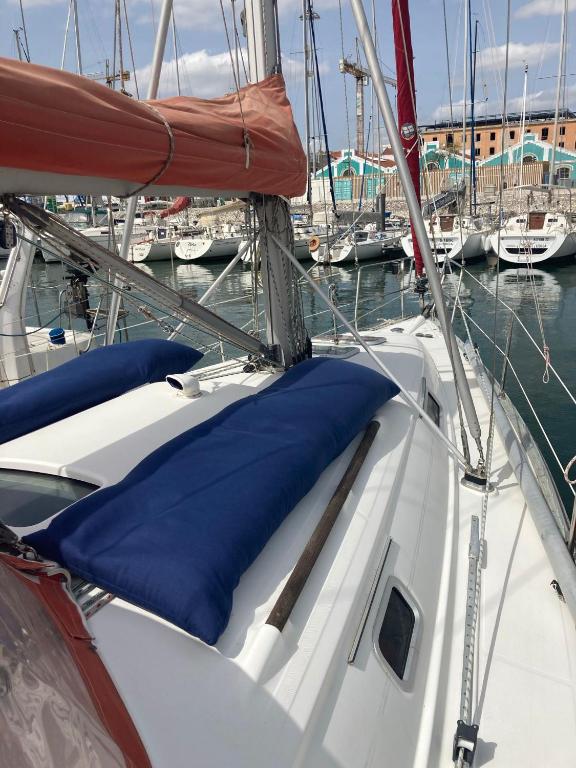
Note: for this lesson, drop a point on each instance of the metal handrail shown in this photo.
(523, 390)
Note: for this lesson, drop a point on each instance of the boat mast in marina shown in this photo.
(285, 328)
(559, 91)
(156, 69)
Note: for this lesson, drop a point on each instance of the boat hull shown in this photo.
(353, 252)
(202, 249)
(533, 249)
(473, 247)
(155, 250)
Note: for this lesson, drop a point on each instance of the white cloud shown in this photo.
(518, 55)
(201, 74)
(543, 8)
(534, 101)
(207, 75)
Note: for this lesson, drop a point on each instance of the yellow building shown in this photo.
(488, 130)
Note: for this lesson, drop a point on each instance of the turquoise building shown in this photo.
(537, 151)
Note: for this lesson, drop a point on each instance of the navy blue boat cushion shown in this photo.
(88, 380)
(178, 532)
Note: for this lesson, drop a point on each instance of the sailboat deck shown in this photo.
(321, 694)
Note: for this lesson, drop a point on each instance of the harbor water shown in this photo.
(544, 302)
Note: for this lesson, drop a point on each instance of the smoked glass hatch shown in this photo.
(395, 636)
(28, 498)
(433, 409)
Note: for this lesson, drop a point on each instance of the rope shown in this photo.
(36, 330)
(236, 75)
(168, 159)
(567, 471)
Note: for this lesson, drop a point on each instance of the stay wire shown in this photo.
(322, 112)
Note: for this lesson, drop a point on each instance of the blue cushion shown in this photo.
(178, 532)
(88, 380)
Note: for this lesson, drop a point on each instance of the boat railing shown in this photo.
(566, 523)
(400, 263)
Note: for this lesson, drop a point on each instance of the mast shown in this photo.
(472, 115)
(156, 68)
(417, 221)
(523, 126)
(285, 330)
(406, 96)
(77, 34)
(27, 47)
(561, 67)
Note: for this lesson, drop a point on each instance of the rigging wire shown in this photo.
(131, 51)
(321, 105)
(448, 64)
(175, 43)
(343, 55)
(236, 75)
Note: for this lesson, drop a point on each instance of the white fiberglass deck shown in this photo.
(262, 699)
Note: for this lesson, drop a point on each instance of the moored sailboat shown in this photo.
(454, 238)
(535, 237)
(316, 536)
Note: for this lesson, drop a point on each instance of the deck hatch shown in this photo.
(395, 637)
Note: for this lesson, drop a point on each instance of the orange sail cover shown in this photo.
(63, 134)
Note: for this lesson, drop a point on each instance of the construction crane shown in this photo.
(110, 78)
(362, 77)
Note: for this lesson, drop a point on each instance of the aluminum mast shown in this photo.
(561, 77)
(159, 49)
(285, 328)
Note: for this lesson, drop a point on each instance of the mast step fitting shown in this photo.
(465, 739)
(476, 480)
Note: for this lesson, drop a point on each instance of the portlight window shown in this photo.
(395, 638)
(433, 409)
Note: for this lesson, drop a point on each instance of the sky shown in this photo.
(204, 57)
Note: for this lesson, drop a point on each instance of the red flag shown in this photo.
(406, 95)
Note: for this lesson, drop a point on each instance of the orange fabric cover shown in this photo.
(56, 122)
(68, 622)
(179, 205)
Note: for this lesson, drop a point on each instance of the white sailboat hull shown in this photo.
(453, 246)
(351, 252)
(207, 249)
(155, 250)
(533, 247)
(302, 250)
(320, 692)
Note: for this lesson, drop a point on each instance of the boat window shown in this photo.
(433, 409)
(28, 498)
(395, 637)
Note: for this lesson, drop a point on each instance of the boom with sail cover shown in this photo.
(60, 132)
(407, 103)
